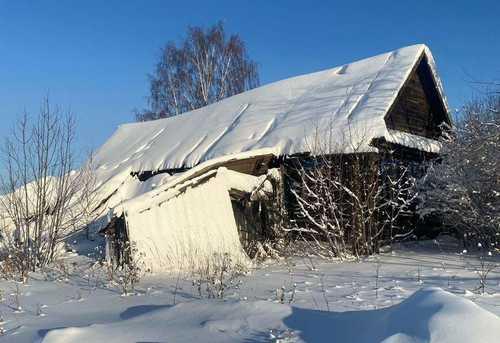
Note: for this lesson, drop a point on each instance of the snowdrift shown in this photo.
(429, 315)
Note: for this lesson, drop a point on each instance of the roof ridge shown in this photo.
(274, 83)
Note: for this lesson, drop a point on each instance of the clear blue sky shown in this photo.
(95, 55)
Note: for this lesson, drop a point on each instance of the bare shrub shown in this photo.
(92, 275)
(280, 294)
(483, 271)
(43, 196)
(487, 264)
(63, 269)
(128, 275)
(377, 280)
(13, 264)
(16, 299)
(217, 274)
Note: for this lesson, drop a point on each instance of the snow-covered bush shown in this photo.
(349, 204)
(463, 186)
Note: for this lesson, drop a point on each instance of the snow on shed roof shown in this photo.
(283, 115)
(171, 185)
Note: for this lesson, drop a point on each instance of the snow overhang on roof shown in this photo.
(350, 101)
(173, 184)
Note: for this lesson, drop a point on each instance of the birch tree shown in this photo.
(205, 68)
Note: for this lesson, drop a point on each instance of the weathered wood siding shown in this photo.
(253, 166)
(257, 165)
(418, 108)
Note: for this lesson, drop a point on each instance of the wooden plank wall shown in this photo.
(418, 109)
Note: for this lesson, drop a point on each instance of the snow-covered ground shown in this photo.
(424, 292)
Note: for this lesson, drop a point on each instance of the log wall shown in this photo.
(418, 108)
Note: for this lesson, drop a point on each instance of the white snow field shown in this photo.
(425, 292)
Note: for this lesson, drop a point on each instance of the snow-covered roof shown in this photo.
(351, 100)
(168, 187)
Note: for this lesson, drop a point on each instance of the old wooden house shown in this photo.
(185, 187)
